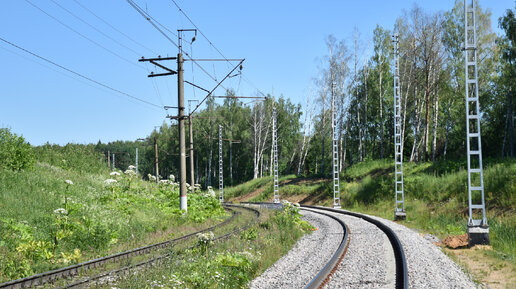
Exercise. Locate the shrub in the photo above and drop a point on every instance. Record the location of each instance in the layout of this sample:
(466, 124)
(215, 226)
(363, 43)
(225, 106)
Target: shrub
(15, 153)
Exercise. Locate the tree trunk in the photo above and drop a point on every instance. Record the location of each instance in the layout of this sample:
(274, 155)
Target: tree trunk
(434, 133)
(382, 153)
(364, 151)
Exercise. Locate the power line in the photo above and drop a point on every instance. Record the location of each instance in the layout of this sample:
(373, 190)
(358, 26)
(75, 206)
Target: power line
(114, 28)
(80, 75)
(149, 18)
(94, 28)
(213, 45)
(156, 90)
(82, 35)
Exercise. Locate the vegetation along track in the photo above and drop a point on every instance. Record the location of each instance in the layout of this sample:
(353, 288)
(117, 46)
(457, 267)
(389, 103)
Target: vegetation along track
(399, 255)
(69, 272)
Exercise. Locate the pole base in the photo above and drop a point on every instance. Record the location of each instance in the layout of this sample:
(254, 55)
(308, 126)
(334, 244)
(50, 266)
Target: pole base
(183, 203)
(400, 215)
(478, 235)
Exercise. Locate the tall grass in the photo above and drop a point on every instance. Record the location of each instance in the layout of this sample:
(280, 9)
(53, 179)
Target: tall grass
(46, 222)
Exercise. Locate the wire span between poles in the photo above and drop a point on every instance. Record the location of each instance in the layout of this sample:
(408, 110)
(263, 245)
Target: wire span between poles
(80, 75)
(216, 86)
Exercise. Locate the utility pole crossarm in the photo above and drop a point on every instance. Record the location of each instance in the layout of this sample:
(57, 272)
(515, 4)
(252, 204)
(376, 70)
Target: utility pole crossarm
(232, 96)
(153, 61)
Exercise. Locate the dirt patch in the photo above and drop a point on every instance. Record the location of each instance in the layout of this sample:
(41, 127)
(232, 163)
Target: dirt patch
(302, 181)
(454, 242)
(493, 273)
(301, 198)
(246, 198)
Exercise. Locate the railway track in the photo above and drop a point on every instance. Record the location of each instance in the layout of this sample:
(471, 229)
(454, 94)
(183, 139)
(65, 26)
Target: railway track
(324, 278)
(401, 272)
(69, 273)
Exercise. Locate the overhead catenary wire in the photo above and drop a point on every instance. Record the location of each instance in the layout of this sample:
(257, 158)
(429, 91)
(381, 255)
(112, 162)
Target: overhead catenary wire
(213, 45)
(151, 20)
(113, 27)
(96, 29)
(81, 75)
(82, 35)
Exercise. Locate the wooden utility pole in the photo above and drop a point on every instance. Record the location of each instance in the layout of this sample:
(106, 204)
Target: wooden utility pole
(190, 122)
(183, 205)
(181, 106)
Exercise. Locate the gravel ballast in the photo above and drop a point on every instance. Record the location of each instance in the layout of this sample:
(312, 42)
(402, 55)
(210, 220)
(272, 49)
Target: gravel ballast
(428, 266)
(312, 251)
(369, 261)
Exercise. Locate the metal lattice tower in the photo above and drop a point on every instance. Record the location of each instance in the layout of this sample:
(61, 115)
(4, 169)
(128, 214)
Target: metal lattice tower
(275, 156)
(478, 230)
(221, 173)
(335, 153)
(399, 212)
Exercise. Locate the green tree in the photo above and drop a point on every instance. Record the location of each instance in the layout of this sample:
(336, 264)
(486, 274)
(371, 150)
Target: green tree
(15, 153)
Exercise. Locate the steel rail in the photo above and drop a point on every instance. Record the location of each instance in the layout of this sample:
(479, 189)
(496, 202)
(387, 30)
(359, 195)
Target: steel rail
(324, 274)
(399, 254)
(51, 276)
(159, 258)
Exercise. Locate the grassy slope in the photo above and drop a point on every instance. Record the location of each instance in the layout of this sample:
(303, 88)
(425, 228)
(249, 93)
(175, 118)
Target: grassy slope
(436, 196)
(99, 218)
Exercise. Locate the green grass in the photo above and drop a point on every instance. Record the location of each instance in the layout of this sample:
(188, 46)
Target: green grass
(229, 264)
(46, 223)
(435, 196)
(247, 187)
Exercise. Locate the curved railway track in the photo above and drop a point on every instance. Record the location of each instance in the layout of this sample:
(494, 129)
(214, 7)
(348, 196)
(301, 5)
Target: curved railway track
(41, 279)
(399, 254)
(323, 276)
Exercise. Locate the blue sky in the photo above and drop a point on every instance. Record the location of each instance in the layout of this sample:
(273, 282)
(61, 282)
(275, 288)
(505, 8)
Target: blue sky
(282, 41)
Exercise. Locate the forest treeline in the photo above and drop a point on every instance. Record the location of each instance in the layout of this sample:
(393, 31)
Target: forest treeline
(359, 75)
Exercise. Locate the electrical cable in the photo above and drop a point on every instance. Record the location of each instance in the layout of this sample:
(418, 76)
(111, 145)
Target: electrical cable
(114, 28)
(151, 19)
(80, 75)
(154, 85)
(213, 45)
(96, 29)
(82, 35)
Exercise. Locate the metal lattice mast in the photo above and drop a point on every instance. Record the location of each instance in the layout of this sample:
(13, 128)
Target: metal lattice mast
(478, 229)
(335, 152)
(399, 212)
(275, 156)
(221, 173)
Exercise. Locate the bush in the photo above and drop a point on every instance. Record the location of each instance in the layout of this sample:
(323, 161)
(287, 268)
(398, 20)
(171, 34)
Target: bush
(15, 153)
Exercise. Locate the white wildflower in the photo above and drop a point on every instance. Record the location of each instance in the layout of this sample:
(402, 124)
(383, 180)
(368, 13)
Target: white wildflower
(69, 182)
(110, 181)
(164, 182)
(152, 178)
(210, 188)
(130, 172)
(60, 212)
(206, 237)
(131, 167)
(114, 174)
(172, 178)
(197, 186)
